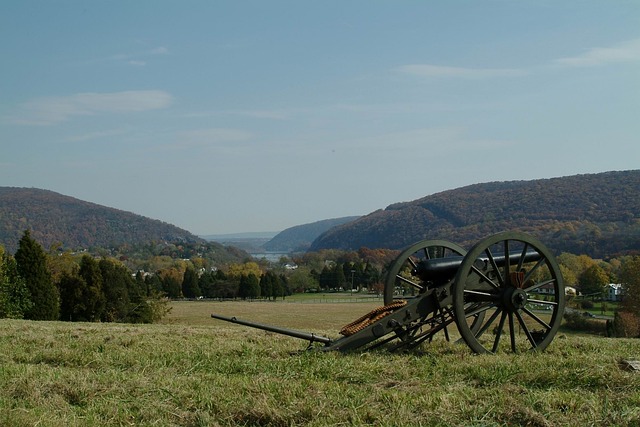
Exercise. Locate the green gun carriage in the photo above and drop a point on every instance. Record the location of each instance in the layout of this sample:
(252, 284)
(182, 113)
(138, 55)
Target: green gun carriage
(506, 294)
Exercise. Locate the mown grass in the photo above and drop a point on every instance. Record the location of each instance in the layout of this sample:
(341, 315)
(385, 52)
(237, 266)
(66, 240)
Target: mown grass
(209, 373)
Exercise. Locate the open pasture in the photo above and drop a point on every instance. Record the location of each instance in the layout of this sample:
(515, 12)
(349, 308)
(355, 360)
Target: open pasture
(196, 371)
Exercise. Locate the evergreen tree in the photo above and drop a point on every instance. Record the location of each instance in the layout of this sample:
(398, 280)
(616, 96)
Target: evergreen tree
(139, 309)
(266, 285)
(190, 287)
(277, 289)
(32, 266)
(72, 306)
(115, 284)
(341, 280)
(14, 295)
(243, 287)
(92, 294)
(326, 279)
(206, 283)
(254, 286)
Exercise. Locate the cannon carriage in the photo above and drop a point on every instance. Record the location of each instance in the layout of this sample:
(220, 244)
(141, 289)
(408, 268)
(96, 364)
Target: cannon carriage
(505, 294)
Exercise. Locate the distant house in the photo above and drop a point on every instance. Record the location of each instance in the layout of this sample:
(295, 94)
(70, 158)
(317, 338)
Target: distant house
(549, 289)
(614, 292)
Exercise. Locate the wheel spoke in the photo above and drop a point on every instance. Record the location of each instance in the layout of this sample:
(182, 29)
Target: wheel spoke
(481, 296)
(474, 310)
(526, 330)
(409, 282)
(488, 280)
(507, 263)
(512, 332)
(539, 285)
(496, 342)
(536, 318)
(489, 322)
(539, 301)
(534, 268)
(412, 262)
(523, 254)
(495, 268)
(485, 278)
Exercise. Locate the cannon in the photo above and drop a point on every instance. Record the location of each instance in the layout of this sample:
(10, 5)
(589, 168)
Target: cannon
(506, 294)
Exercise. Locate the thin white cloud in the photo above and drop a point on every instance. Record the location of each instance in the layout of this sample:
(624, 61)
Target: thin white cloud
(137, 59)
(160, 50)
(428, 70)
(628, 51)
(257, 114)
(435, 141)
(96, 135)
(48, 111)
(212, 136)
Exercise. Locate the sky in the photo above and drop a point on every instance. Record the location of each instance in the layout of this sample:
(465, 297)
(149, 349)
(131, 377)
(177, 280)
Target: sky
(244, 116)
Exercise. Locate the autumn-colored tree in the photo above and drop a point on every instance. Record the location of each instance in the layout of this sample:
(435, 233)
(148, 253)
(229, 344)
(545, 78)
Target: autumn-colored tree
(577, 264)
(31, 263)
(236, 270)
(593, 280)
(630, 279)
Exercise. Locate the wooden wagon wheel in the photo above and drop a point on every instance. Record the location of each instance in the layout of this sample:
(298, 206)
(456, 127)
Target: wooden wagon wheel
(403, 274)
(522, 299)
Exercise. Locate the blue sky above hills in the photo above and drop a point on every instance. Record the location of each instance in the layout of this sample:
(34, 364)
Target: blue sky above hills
(238, 116)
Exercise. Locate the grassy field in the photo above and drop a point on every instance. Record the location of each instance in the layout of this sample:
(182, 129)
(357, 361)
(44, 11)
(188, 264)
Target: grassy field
(196, 371)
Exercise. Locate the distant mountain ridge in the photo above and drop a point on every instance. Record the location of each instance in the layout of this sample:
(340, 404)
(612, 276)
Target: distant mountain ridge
(56, 218)
(594, 214)
(300, 237)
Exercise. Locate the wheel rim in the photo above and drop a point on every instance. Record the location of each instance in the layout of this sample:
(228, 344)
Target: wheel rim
(399, 274)
(523, 300)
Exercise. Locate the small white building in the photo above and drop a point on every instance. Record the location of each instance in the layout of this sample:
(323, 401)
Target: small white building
(614, 292)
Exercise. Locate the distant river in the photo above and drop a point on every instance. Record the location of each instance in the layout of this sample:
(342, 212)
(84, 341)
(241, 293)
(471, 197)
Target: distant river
(270, 256)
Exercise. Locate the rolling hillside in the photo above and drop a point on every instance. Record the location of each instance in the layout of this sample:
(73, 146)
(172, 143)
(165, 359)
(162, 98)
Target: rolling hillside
(300, 237)
(594, 214)
(53, 218)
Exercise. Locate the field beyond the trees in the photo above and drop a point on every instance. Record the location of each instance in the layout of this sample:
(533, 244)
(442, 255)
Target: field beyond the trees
(196, 371)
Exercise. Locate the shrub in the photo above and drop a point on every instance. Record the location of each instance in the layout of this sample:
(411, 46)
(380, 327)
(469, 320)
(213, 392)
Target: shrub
(586, 305)
(577, 322)
(624, 325)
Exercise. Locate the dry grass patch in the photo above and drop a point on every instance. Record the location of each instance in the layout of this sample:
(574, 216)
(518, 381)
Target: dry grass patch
(218, 374)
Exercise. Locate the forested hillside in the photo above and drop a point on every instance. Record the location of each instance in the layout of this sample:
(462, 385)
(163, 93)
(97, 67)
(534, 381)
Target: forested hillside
(300, 237)
(594, 214)
(55, 218)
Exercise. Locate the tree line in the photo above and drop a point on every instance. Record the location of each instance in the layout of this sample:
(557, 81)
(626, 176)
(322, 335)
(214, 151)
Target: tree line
(36, 286)
(62, 286)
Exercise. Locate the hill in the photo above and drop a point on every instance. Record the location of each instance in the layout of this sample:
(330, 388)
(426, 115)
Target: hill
(53, 217)
(300, 237)
(594, 214)
(250, 242)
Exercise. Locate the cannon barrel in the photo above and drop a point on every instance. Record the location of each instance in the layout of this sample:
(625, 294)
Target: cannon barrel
(444, 268)
(283, 331)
